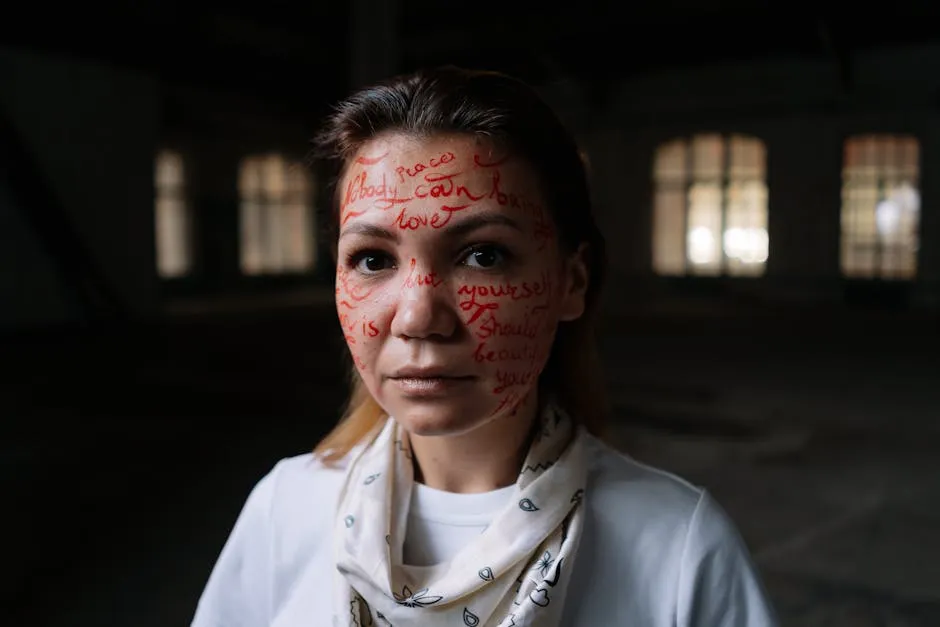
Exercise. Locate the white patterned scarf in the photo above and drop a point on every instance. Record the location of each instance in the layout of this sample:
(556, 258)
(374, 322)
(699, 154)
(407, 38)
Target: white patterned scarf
(515, 573)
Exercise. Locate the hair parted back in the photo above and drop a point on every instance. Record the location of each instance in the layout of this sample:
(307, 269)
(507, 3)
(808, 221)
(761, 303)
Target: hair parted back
(511, 113)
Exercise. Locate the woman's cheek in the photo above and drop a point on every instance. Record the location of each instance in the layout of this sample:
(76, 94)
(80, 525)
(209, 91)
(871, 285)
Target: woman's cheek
(513, 326)
(356, 318)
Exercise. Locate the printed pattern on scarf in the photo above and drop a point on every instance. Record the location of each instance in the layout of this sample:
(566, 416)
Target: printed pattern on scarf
(516, 573)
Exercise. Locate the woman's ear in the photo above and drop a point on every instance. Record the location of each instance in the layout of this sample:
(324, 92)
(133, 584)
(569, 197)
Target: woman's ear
(577, 278)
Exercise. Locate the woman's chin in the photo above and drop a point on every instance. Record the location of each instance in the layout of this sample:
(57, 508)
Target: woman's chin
(438, 418)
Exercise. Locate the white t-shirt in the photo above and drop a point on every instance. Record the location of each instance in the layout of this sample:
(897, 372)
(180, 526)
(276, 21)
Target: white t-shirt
(655, 550)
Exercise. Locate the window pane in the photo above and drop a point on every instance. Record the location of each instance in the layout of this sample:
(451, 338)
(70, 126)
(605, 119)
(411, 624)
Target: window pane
(880, 207)
(710, 206)
(670, 174)
(249, 178)
(897, 219)
(274, 176)
(277, 234)
(745, 239)
(172, 228)
(672, 160)
(858, 228)
(748, 158)
(669, 231)
(707, 157)
(272, 236)
(704, 228)
(252, 230)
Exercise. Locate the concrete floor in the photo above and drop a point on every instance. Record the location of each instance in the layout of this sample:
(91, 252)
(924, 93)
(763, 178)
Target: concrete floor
(819, 436)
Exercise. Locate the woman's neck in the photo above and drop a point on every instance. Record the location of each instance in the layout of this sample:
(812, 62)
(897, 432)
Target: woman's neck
(481, 460)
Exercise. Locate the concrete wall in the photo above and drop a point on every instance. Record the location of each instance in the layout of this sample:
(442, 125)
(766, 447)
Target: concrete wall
(803, 111)
(91, 132)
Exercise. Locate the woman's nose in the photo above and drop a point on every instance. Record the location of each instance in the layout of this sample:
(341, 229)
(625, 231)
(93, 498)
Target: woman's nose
(423, 309)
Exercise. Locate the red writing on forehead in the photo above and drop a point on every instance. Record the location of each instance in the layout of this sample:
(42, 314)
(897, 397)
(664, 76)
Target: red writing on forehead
(371, 160)
(543, 228)
(383, 195)
(443, 186)
(437, 220)
(418, 168)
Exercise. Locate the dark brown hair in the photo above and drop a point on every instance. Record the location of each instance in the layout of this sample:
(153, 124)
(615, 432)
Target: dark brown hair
(511, 113)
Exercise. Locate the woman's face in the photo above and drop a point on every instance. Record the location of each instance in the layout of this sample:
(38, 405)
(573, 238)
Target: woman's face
(450, 282)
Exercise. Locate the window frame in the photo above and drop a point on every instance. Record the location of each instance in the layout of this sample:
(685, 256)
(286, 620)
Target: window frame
(878, 274)
(184, 193)
(308, 192)
(724, 180)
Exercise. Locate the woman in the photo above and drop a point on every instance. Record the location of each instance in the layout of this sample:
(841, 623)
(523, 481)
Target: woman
(466, 484)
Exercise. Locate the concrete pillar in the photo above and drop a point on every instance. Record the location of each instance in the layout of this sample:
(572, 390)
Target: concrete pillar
(804, 161)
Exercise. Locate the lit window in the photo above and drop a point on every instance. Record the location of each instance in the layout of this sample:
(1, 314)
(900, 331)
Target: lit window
(710, 206)
(880, 207)
(276, 216)
(171, 216)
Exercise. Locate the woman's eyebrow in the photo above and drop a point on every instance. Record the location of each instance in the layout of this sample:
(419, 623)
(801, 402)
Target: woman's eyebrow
(456, 229)
(479, 220)
(369, 230)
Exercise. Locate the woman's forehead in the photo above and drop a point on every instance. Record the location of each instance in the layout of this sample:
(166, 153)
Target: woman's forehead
(411, 178)
(401, 149)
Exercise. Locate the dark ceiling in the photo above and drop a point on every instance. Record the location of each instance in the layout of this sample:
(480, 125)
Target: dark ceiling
(300, 51)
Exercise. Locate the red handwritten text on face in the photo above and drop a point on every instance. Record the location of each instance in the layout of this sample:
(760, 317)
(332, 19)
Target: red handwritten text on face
(443, 186)
(513, 378)
(507, 318)
(417, 280)
(476, 299)
(543, 230)
(363, 160)
(347, 293)
(528, 327)
(524, 352)
(507, 290)
(418, 168)
(437, 220)
(383, 195)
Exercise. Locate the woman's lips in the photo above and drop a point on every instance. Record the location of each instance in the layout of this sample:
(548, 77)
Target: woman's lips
(427, 386)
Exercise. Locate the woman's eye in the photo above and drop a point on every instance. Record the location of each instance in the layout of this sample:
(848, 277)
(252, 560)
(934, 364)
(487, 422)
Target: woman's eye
(372, 262)
(485, 257)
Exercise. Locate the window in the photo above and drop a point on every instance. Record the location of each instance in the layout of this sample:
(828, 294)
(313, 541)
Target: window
(172, 222)
(880, 207)
(276, 216)
(710, 206)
